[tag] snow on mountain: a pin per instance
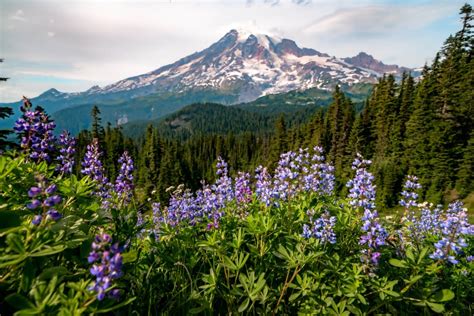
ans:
(240, 67)
(251, 64)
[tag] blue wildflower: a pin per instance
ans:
(124, 181)
(454, 228)
(67, 150)
(35, 130)
(107, 265)
(43, 200)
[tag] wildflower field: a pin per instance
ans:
(272, 242)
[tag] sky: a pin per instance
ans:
(75, 44)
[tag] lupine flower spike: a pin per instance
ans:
(106, 258)
(66, 153)
(44, 199)
(35, 130)
(124, 181)
(362, 195)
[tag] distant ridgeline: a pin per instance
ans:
(422, 127)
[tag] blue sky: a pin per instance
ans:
(75, 44)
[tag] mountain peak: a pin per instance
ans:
(367, 61)
(51, 92)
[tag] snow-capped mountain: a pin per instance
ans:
(240, 67)
(252, 64)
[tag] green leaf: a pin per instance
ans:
(398, 263)
(443, 296)
(229, 264)
(423, 253)
(48, 251)
(361, 299)
(50, 273)
(244, 305)
(18, 301)
(436, 307)
(28, 275)
(294, 296)
(17, 259)
(392, 293)
(410, 255)
(15, 243)
(130, 256)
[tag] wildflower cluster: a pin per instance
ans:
(92, 167)
(263, 188)
(302, 172)
(66, 152)
(362, 194)
(409, 194)
(454, 228)
(124, 181)
(106, 258)
(36, 132)
(361, 188)
(423, 221)
(296, 172)
(322, 228)
(44, 199)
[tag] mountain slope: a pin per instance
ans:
(240, 67)
(256, 116)
(366, 61)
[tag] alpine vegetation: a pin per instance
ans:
(262, 243)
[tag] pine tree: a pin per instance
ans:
(4, 143)
(97, 128)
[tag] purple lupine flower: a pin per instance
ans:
(263, 188)
(428, 222)
(322, 228)
(361, 188)
(107, 265)
(320, 177)
(35, 130)
(454, 228)
(302, 171)
(307, 233)
(243, 192)
(409, 194)
(43, 200)
(67, 150)
(362, 194)
(124, 181)
(92, 167)
(223, 185)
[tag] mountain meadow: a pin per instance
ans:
(348, 191)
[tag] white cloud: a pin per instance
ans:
(18, 16)
(378, 20)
